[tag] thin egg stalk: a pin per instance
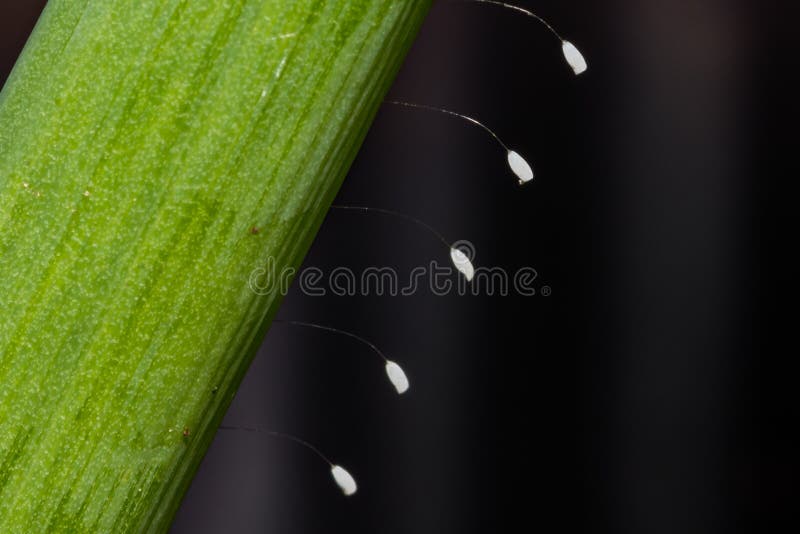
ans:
(460, 260)
(571, 53)
(518, 165)
(344, 480)
(395, 373)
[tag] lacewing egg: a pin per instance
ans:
(344, 480)
(462, 263)
(520, 167)
(397, 377)
(574, 58)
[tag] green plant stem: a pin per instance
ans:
(153, 154)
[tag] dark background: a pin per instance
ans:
(653, 392)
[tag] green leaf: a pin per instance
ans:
(153, 155)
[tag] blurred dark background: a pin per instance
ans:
(652, 392)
